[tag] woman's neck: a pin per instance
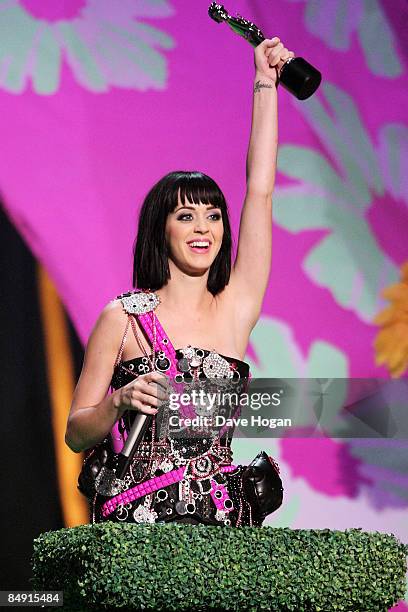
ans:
(183, 291)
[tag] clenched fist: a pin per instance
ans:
(143, 394)
(270, 57)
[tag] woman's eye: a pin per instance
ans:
(189, 216)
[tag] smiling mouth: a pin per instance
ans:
(199, 246)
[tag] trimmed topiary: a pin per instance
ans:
(177, 566)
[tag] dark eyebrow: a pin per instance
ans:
(210, 206)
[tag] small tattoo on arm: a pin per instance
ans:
(258, 86)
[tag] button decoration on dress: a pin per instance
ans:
(162, 362)
(193, 357)
(122, 511)
(161, 495)
(144, 515)
(181, 508)
(166, 465)
(195, 362)
(183, 365)
(188, 352)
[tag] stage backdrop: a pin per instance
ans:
(99, 99)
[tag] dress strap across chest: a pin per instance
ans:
(147, 321)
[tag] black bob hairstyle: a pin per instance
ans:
(150, 262)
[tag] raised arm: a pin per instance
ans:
(251, 270)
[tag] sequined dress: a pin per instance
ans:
(211, 491)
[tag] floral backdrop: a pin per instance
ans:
(100, 99)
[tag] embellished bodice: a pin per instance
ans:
(198, 371)
(192, 362)
(210, 488)
(190, 369)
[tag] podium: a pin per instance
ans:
(177, 566)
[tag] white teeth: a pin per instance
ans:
(199, 244)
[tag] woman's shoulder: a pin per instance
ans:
(107, 331)
(119, 306)
(135, 301)
(112, 317)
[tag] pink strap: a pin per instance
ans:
(219, 495)
(146, 322)
(150, 486)
(170, 352)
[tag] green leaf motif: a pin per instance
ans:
(348, 261)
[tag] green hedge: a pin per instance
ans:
(183, 567)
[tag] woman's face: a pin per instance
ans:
(194, 235)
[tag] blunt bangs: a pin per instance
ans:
(196, 187)
(150, 264)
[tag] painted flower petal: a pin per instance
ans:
(151, 35)
(345, 137)
(336, 21)
(385, 463)
(312, 168)
(361, 269)
(81, 58)
(277, 353)
(393, 159)
(46, 63)
(120, 12)
(301, 208)
(377, 41)
(279, 357)
(103, 44)
(333, 21)
(126, 59)
(341, 475)
(15, 50)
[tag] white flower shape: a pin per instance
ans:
(102, 41)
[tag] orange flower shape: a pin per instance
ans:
(391, 342)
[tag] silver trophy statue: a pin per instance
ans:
(297, 75)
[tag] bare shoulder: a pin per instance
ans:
(110, 325)
(113, 313)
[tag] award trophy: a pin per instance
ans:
(297, 75)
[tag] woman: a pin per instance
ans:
(204, 307)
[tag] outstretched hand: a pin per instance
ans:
(269, 58)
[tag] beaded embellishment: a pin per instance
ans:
(215, 366)
(142, 514)
(139, 302)
(106, 483)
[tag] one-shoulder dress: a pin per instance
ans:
(183, 475)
